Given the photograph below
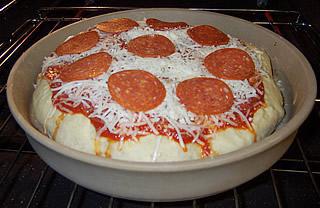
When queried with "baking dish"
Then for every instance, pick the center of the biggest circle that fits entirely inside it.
(175, 180)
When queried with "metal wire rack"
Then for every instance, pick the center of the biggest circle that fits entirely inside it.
(26, 181)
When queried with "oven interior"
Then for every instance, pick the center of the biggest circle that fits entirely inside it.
(26, 181)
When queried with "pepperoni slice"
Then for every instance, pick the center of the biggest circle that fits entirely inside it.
(117, 25)
(161, 25)
(151, 46)
(136, 90)
(207, 35)
(230, 63)
(86, 68)
(78, 44)
(205, 96)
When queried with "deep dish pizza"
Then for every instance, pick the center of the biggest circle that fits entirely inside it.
(156, 91)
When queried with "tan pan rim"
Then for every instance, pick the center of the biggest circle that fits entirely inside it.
(169, 181)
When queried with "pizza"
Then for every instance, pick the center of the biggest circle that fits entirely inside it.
(156, 91)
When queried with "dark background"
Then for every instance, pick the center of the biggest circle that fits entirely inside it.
(292, 182)
(24, 9)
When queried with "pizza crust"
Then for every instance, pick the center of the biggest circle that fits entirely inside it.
(77, 132)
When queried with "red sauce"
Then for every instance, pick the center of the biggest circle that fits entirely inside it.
(248, 109)
(162, 128)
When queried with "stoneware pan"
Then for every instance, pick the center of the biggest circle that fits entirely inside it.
(169, 181)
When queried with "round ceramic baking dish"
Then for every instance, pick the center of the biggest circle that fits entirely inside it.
(169, 181)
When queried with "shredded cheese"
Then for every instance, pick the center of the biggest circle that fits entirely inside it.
(156, 150)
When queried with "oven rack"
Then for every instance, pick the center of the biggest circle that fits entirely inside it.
(26, 181)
